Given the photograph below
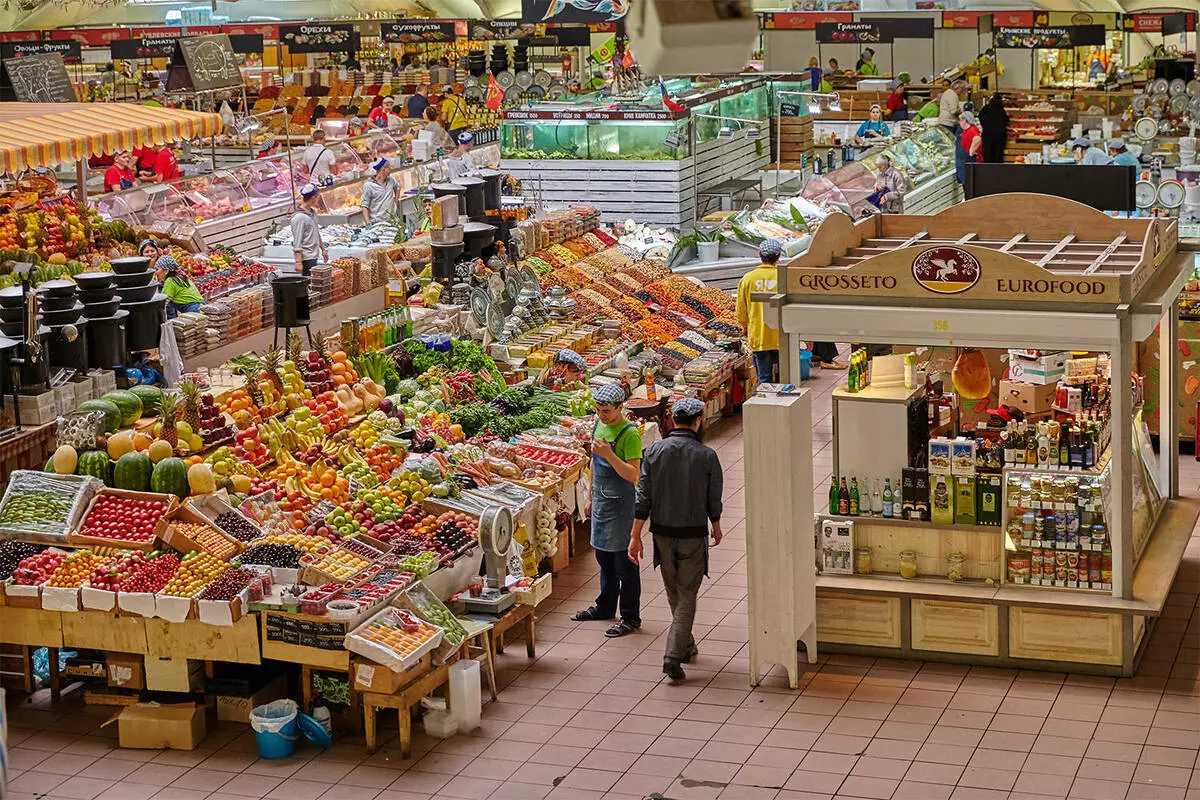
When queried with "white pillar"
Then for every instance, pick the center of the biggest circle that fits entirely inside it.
(1120, 523)
(1168, 392)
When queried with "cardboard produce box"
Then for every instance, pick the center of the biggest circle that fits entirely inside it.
(126, 671)
(371, 677)
(1029, 398)
(237, 708)
(174, 675)
(153, 726)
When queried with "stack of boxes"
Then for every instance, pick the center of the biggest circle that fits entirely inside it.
(1033, 376)
(958, 488)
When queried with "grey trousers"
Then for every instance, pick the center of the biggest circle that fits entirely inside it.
(683, 563)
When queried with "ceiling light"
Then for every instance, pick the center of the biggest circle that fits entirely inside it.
(835, 104)
(814, 106)
(725, 132)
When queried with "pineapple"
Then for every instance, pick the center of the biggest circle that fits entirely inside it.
(251, 387)
(293, 347)
(189, 392)
(322, 349)
(272, 362)
(167, 416)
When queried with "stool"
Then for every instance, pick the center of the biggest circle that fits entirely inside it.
(404, 700)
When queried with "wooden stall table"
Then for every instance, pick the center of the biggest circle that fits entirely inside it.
(405, 699)
(516, 615)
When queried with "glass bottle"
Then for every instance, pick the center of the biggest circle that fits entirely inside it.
(844, 499)
(876, 499)
(889, 499)
(833, 495)
(854, 497)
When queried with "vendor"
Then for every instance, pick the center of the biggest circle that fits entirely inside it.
(306, 233)
(120, 175)
(834, 67)
(897, 103)
(874, 128)
(380, 194)
(166, 165)
(181, 291)
(441, 140)
(150, 249)
(144, 161)
(381, 115)
(454, 111)
(1121, 157)
(460, 163)
(568, 369)
(866, 63)
(1088, 155)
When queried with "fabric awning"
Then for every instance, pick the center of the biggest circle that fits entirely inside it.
(44, 134)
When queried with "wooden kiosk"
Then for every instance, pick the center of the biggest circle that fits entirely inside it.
(1009, 271)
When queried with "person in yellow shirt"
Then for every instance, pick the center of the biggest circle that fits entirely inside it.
(764, 339)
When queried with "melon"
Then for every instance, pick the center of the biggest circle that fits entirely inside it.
(64, 460)
(112, 414)
(241, 483)
(160, 449)
(133, 472)
(49, 465)
(128, 402)
(200, 479)
(170, 475)
(119, 444)
(141, 441)
(151, 397)
(96, 464)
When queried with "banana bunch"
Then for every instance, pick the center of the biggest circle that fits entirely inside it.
(295, 484)
(348, 454)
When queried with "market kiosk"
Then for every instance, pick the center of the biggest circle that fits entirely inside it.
(1007, 271)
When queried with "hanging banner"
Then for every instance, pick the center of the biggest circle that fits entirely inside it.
(1012, 19)
(318, 38)
(798, 21)
(536, 11)
(489, 29)
(267, 32)
(1074, 18)
(851, 33)
(894, 28)
(1031, 38)
(92, 37)
(1174, 24)
(826, 5)
(21, 36)
(962, 19)
(69, 48)
(1153, 23)
(418, 30)
(605, 52)
(144, 47)
(246, 43)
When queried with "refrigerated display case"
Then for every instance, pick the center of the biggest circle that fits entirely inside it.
(347, 165)
(266, 181)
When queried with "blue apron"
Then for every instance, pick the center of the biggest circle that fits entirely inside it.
(612, 502)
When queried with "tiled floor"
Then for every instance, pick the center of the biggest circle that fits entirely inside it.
(591, 718)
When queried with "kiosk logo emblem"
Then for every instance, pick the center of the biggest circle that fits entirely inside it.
(946, 270)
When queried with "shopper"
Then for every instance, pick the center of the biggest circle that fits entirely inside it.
(616, 465)
(1121, 156)
(120, 175)
(866, 63)
(381, 115)
(993, 120)
(460, 162)
(306, 233)
(454, 112)
(416, 105)
(968, 146)
(890, 186)
(318, 159)
(874, 128)
(568, 371)
(150, 249)
(762, 336)
(1087, 154)
(181, 291)
(679, 492)
(948, 108)
(380, 194)
(352, 62)
(897, 103)
(441, 139)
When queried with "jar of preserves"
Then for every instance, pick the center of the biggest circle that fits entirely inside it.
(1018, 568)
(908, 563)
(955, 566)
(862, 560)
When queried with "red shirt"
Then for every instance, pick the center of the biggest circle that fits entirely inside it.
(116, 179)
(166, 166)
(969, 135)
(145, 158)
(895, 102)
(379, 117)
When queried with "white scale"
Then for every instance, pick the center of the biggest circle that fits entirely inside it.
(495, 537)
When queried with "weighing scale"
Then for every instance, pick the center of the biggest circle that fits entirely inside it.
(495, 537)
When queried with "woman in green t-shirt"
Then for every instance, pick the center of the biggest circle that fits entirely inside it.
(180, 289)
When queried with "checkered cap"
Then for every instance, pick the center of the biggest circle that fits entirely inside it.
(569, 356)
(687, 407)
(770, 247)
(608, 395)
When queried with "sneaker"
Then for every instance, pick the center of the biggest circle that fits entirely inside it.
(673, 671)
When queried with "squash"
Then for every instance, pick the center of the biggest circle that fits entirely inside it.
(65, 460)
(201, 479)
(119, 444)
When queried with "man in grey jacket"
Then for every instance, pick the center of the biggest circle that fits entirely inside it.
(679, 492)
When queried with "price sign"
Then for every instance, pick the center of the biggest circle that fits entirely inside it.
(321, 510)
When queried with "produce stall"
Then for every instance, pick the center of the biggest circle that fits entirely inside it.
(1007, 488)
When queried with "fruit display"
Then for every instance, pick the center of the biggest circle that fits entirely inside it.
(124, 518)
(41, 506)
(433, 610)
(195, 571)
(393, 637)
(376, 587)
(112, 574)
(237, 526)
(36, 569)
(336, 562)
(74, 570)
(555, 459)
(228, 584)
(268, 554)
(13, 553)
(207, 538)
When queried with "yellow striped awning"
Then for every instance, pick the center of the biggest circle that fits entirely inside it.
(43, 134)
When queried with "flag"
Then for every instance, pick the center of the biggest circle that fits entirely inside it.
(495, 95)
(604, 53)
(627, 59)
(670, 104)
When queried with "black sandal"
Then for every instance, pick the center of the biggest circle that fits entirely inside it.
(588, 615)
(622, 628)
(691, 653)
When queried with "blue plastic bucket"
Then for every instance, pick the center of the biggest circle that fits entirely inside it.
(275, 728)
(805, 364)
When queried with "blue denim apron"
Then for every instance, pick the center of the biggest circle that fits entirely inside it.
(612, 502)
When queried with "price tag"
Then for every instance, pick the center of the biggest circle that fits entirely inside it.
(355, 486)
(320, 511)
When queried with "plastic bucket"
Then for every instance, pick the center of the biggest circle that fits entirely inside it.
(274, 727)
(805, 364)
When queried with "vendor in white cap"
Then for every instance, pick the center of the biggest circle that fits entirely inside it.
(460, 162)
(569, 369)
(1121, 156)
(380, 194)
(381, 115)
(306, 233)
(1087, 154)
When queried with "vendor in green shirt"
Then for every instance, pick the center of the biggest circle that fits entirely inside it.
(182, 294)
(866, 63)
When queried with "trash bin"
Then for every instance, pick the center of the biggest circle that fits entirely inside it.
(274, 727)
(290, 293)
(805, 364)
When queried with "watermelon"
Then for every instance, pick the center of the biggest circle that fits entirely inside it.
(151, 397)
(95, 463)
(170, 475)
(49, 465)
(129, 403)
(112, 414)
(133, 472)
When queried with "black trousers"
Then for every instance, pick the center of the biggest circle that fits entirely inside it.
(620, 582)
(825, 352)
(993, 152)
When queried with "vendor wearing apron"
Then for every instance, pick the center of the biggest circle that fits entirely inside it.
(616, 463)
(569, 368)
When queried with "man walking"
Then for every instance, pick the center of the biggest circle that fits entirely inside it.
(679, 491)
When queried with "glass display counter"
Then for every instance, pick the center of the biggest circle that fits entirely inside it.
(265, 181)
(347, 165)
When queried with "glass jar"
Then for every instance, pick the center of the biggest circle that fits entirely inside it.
(908, 563)
(862, 560)
(955, 566)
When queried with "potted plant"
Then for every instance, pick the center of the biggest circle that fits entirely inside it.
(706, 242)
